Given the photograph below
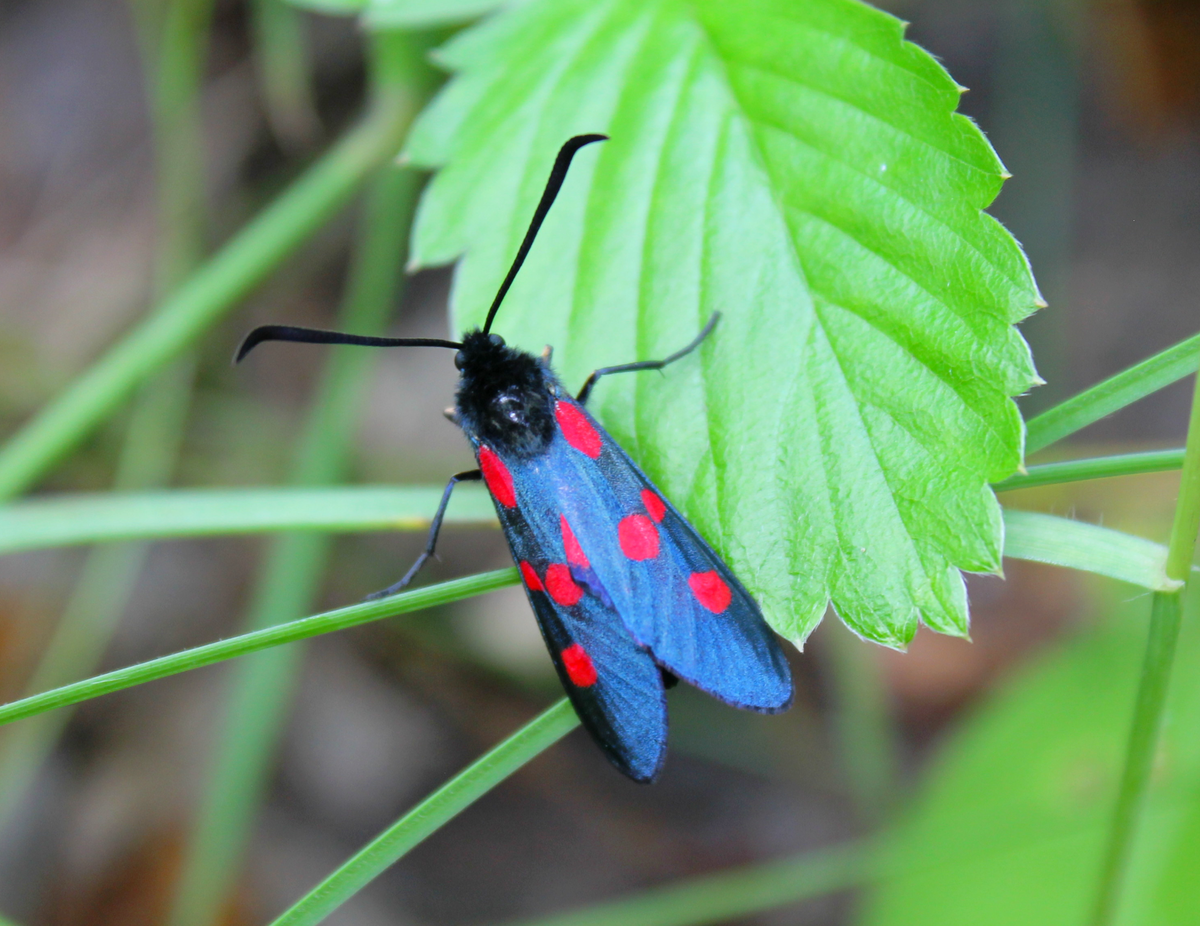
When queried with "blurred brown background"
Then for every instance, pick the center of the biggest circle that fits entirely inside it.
(1095, 108)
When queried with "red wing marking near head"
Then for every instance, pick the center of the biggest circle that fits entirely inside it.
(579, 666)
(654, 505)
(575, 554)
(638, 537)
(529, 574)
(710, 590)
(560, 586)
(499, 480)
(577, 429)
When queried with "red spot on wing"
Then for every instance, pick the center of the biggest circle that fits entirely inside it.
(499, 480)
(710, 590)
(578, 431)
(560, 586)
(529, 574)
(579, 666)
(638, 537)
(655, 506)
(574, 551)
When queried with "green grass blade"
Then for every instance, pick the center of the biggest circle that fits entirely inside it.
(1045, 538)
(174, 53)
(204, 298)
(281, 59)
(77, 519)
(1166, 615)
(733, 894)
(1124, 464)
(102, 592)
(261, 687)
(443, 804)
(256, 641)
(862, 722)
(1137, 382)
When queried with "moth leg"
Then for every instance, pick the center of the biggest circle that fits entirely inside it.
(647, 364)
(434, 528)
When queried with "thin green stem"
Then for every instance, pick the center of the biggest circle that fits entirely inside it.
(1165, 617)
(1113, 394)
(1124, 464)
(246, 643)
(261, 688)
(68, 520)
(427, 817)
(174, 53)
(734, 894)
(206, 296)
(281, 58)
(863, 721)
(176, 69)
(102, 592)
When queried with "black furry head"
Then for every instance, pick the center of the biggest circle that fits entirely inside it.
(505, 396)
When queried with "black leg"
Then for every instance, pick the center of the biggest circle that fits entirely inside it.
(468, 476)
(647, 364)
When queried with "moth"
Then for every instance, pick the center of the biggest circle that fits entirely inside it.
(628, 596)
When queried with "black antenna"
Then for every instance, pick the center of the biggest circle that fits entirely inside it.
(557, 174)
(316, 336)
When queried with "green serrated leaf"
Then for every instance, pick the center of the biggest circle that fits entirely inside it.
(799, 167)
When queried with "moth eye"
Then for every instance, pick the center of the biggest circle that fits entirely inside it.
(459, 360)
(496, 339)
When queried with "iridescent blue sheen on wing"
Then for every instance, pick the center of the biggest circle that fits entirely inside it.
(634, 575)
(625, 708)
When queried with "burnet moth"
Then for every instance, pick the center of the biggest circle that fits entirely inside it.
(629, 598)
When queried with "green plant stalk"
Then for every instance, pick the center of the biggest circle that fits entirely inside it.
(43, 522)
(863, 722)
(426, 818)
(262, 686)
(283, 73)
(1125, 464)
(242, 645)
(173, 50)
(734, 894)
(1165, 617)
(1113, 394)
(102, 592)
(176, 67)
(205, 297)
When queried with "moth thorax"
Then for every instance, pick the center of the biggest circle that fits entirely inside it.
(504, 398)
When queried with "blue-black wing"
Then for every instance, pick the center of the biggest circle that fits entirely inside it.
(671, 590)
(613, 682)
(613, 558)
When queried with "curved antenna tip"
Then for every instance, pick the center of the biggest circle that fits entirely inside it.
(251, 341)
(558, 173)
